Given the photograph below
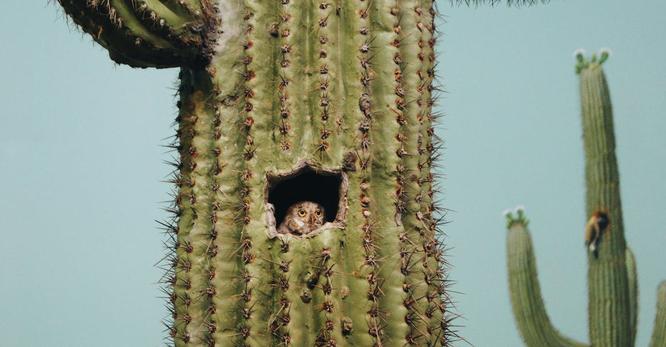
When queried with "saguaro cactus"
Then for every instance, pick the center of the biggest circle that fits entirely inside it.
(280, 101)
(291, 100)
(612, 283)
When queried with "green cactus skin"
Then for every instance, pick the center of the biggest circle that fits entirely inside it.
(608, 282)
(267, 87)
(659, 333)
(632, 277)
(612, 277)
(528, 308)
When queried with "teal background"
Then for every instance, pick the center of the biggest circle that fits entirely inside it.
(81, 168)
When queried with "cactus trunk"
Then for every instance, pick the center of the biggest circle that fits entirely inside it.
(529, 309)
(276, 92)
(325, 88)
(608, 285)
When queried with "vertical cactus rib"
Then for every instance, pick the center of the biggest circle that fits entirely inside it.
(230, 281)
(295, 41)
(357, 321)
(441, 330)
(301, 258)
(146, 33)
(659, 331)
(286, 76)
(358, 245)
(185, 207)
(386, 113)
(200, 241)
(410, 90)
(332, 39)
(608, 286)
(350, 81)
(193, 290)
(325, 306)
(305, 86)
(334, 286)
(366, 200)
(526, 301)
(281, 315)
(262, 49)
(323, 69)
(632, 277)
(311, 73)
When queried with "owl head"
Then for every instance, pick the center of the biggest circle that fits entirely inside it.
(304, 217)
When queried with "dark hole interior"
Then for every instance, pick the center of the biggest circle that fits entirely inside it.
(306, 185)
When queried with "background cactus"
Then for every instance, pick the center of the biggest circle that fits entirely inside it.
(612, 282)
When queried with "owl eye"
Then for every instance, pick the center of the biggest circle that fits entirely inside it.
(318, 212)
(301, 213)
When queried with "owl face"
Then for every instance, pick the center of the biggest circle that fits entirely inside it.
(302, 218)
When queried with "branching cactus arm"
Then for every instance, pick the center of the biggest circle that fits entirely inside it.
(149, 33)
(526, 301)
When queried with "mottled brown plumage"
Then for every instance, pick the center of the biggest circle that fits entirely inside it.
(302, 218)
(594, 230)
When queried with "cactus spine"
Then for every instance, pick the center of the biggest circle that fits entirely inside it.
(612, 283)
(269, 88)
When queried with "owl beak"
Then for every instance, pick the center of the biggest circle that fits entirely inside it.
(312, 221)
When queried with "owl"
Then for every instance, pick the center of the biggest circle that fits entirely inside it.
(302, 218)
(594, 231)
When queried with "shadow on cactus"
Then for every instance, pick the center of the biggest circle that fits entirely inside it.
(612, 282)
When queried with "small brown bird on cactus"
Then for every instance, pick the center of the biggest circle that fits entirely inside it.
(594, 230)
(302, 218)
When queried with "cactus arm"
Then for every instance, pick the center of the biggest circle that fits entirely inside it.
(659, 331)
(147, 33)
(608, 283)
(632, 276)
(526, 301)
